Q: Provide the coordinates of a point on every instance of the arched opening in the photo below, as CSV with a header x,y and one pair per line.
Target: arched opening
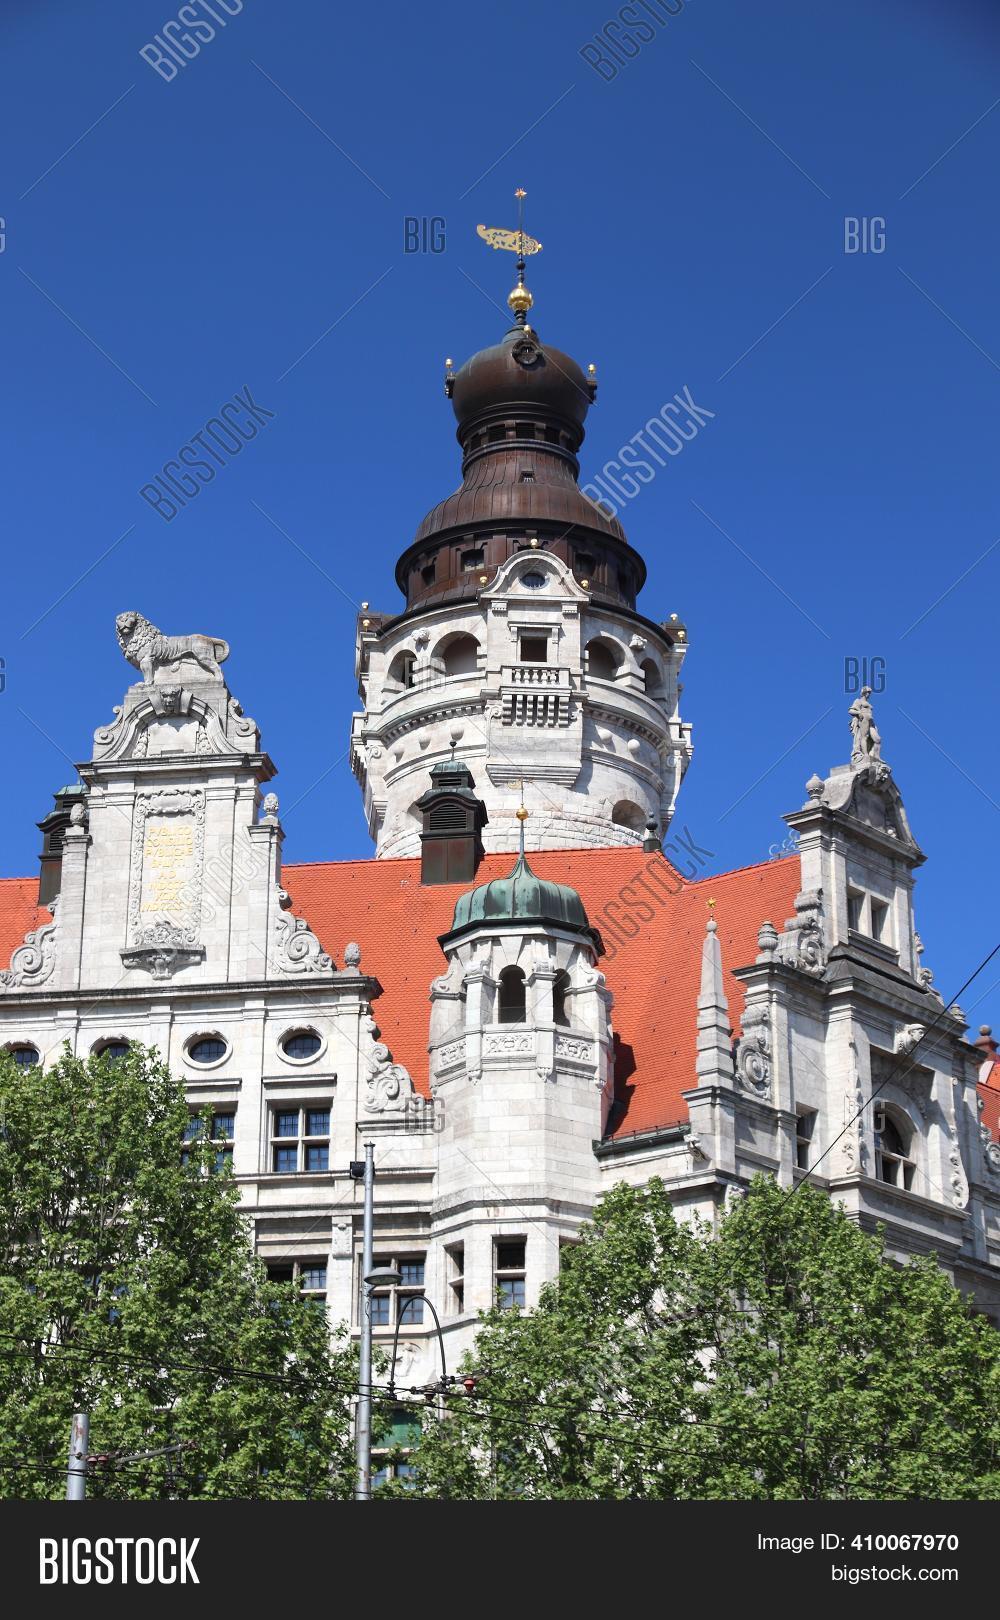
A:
x,y
627,813
560,990
652,676
603,659
511,996
458,655
893,1162
401,670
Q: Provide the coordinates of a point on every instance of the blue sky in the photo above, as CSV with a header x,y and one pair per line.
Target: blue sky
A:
x,y
168,243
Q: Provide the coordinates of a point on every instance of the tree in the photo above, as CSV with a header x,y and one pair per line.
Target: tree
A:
x,y
782,1357
129,1289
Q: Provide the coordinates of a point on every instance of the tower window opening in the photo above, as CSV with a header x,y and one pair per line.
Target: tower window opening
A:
x,y
527,475
428,572
560,989
496,434
457,656
880,921
552,436
652,677
471,560
402,670
603,662
511,999
627,813
534,649
525,430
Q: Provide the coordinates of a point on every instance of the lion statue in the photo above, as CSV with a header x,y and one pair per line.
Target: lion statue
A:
x,y
148,650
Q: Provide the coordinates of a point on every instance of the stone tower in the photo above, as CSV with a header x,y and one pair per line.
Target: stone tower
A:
x,y
520,639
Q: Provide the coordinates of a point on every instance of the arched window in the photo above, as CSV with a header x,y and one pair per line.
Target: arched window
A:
x,y
603,659
627,813
892,1152
114,1051
652,676
459,655
560,987
24,1056
401,670
511,998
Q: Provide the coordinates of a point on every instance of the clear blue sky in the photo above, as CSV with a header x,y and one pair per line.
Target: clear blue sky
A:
x,y
207,232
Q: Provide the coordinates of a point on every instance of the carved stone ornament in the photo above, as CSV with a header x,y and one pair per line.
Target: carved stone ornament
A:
x,y
854,1148
389,1087
574,1050
801,944
908,1038
32,962
753,1051
148,649
165,888
991,1149
296,947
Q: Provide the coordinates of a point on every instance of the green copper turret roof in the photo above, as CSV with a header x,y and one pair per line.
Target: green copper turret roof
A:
x,y
522,896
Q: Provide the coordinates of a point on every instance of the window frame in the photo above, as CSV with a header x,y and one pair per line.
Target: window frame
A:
x,y
394,1293
303,1138
223,1143
509,1276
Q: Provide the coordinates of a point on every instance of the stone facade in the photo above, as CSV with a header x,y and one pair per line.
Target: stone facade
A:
x,y
538,685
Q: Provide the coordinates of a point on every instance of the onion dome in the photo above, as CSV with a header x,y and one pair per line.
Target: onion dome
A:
x,y
522,897
524,375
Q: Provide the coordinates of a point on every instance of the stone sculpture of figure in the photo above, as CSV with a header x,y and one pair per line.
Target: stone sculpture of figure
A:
x,y
865,738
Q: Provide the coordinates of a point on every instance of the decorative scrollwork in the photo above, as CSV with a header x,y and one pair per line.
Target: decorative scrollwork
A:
x,y
753,1052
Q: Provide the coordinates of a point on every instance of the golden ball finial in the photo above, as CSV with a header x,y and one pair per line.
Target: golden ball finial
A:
x,y
519,300
521,813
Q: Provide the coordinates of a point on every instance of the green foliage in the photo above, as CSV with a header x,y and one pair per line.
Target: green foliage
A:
x,y
128,1287
781,1358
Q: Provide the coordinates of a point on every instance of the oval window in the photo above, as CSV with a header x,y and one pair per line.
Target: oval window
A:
x,y
208,1050
533,581
25,1056
304,1043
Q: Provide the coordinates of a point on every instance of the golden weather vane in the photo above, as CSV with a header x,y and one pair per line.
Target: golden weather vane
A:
x,y
520,299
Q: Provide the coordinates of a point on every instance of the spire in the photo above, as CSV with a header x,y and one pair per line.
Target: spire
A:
x,y
519,299
715,1057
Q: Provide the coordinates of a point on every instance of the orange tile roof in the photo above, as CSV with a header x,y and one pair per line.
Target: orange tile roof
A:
x,y
652,921
989,1092
654,974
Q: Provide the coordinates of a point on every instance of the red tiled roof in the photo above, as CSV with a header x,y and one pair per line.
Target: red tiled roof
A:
x,y
19,914
989,1091
652,921
654,974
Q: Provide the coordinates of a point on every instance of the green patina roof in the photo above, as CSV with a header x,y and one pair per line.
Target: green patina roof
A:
x,y
522,896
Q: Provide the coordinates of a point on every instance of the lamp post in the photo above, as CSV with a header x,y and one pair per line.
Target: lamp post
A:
x,y
363,1417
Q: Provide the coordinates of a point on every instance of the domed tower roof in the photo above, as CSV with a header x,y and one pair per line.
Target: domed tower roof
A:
x,y
522,897
520,406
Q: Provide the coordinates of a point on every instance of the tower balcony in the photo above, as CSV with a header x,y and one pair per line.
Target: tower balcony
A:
x,y
535,695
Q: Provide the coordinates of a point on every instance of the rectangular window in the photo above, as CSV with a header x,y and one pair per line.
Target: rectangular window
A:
x,y
534,650
855,906
400,1302
509,1273
399,1434
309,1274
300,1140
455,1259
222,1129
804,1127
880,921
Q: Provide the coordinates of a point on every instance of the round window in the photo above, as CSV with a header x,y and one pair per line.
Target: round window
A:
x,y
25,1056
533,581
113,1050
304,1043
208,1050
